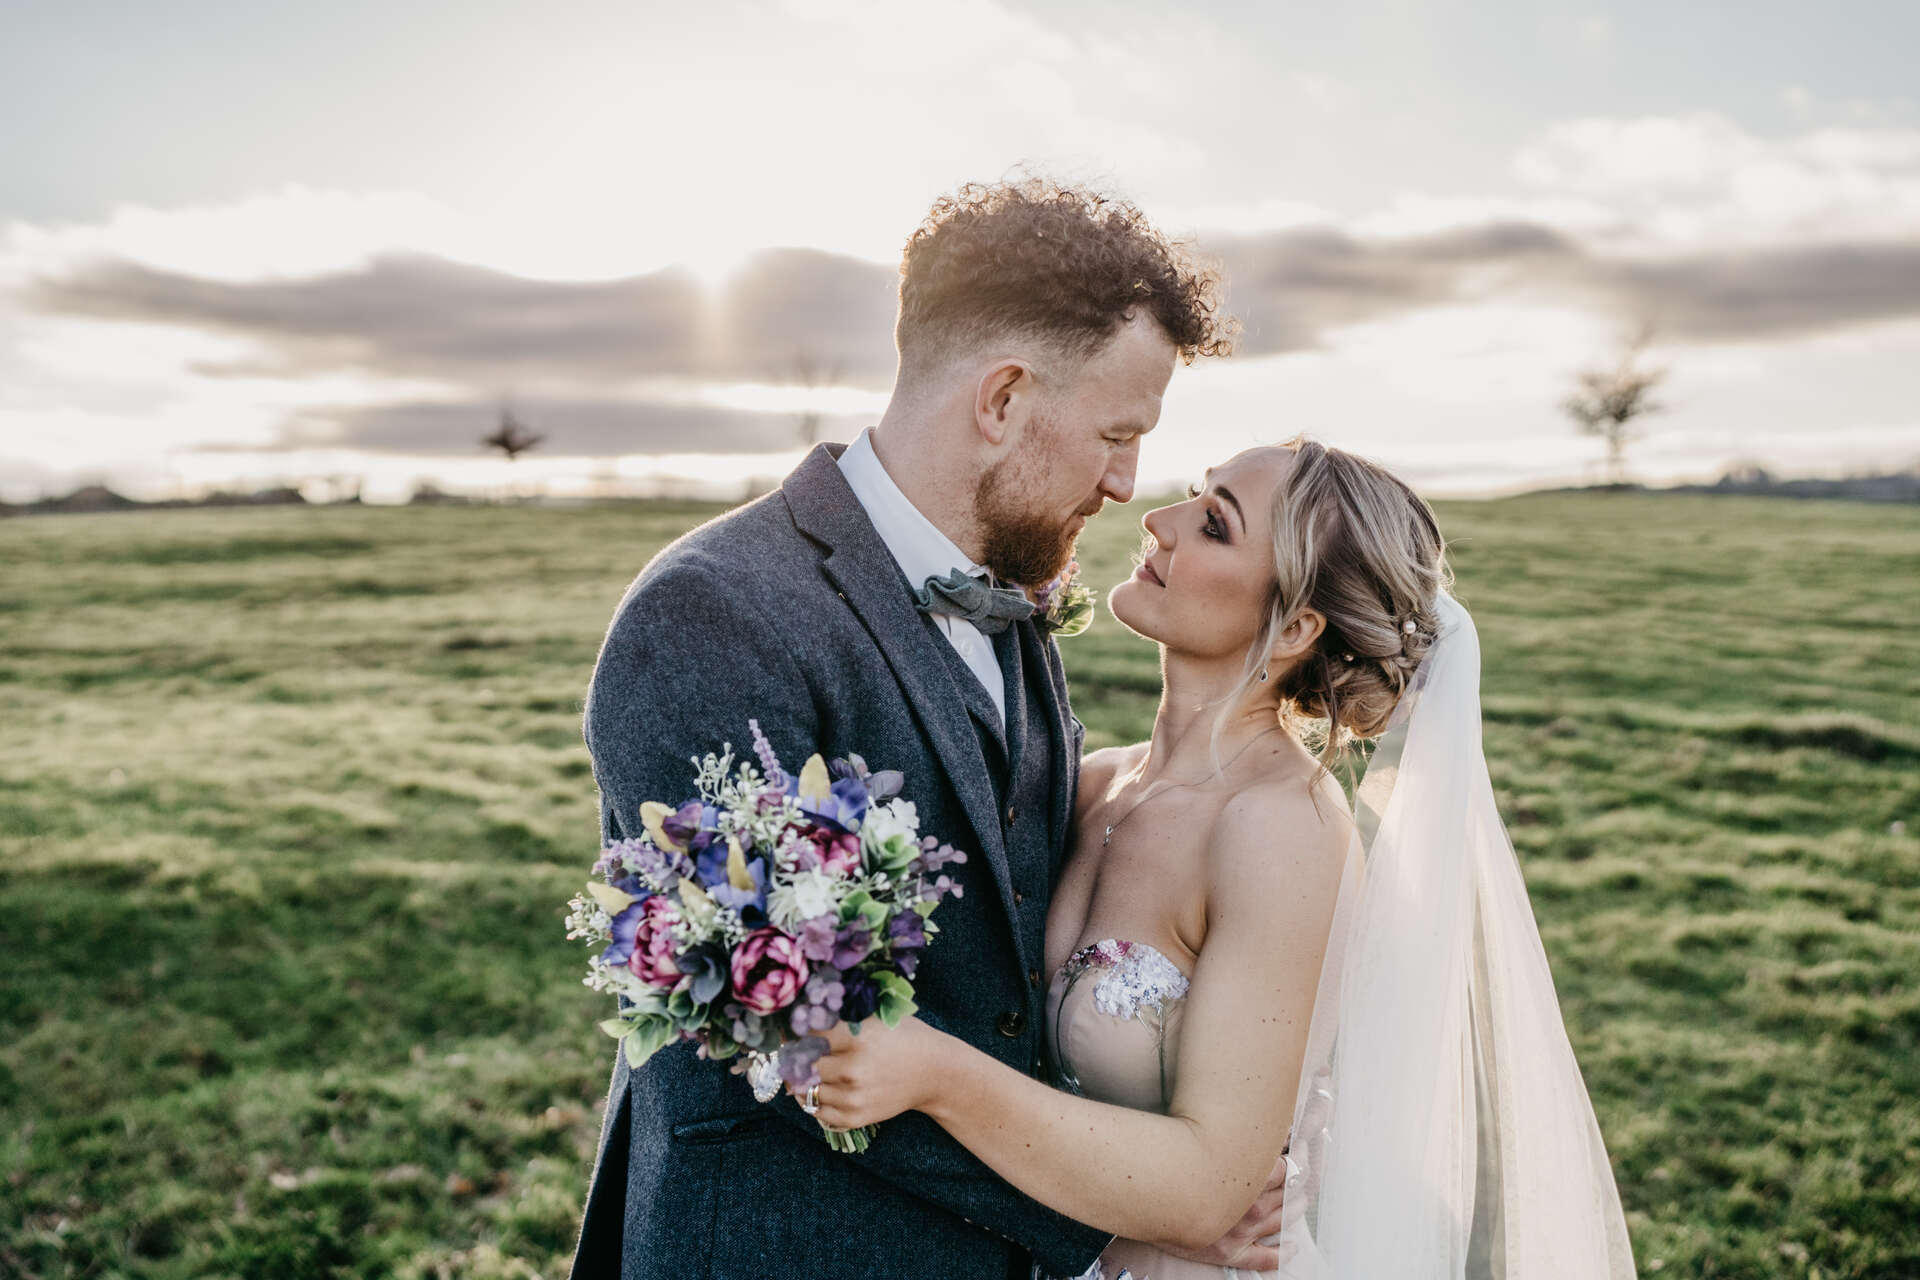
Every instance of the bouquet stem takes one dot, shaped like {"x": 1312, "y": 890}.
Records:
{"x": 850, "y": 1142}
{"x": 763, "y": 1073}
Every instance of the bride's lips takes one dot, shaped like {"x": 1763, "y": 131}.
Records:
{"x": 1145, "y": 573}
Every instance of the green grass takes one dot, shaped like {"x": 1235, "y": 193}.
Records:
{"x": 290, "y": 801}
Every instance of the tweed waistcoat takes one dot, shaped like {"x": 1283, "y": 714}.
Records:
{"x": 1018, "y": 755}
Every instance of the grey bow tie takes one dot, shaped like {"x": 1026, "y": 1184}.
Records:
{"x": 989, "y": 608}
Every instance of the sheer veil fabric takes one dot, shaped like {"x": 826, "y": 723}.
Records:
{"x": 1442, "y": 1130}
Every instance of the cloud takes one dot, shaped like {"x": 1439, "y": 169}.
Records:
{"x": 1700, "y": 178}
{"x": 1293, "y": 288}
{"x": 418, "y": 316}
{"x": 481, "y": 330}
{"x": 588, "y": 428}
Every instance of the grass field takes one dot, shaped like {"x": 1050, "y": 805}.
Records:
{"x": 290, "y": 801}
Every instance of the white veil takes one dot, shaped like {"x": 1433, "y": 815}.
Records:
{"x": 1442, "y": 1130}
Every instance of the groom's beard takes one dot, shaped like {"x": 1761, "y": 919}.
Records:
{"x": 1020, "y": 546}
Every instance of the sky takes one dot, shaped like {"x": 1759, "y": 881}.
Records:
{"x": 244, "y": 244}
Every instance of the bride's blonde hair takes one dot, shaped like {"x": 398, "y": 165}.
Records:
{"x": 1352, "y": 541}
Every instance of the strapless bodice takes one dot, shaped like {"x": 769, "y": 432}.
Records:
{"x": 1114, "y": 1015}
{"x": 1113, "y": 1023}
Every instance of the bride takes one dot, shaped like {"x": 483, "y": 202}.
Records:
{"x": 1245, "y": 968}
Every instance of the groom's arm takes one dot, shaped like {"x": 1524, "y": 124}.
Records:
{"x": 688, "y": 661}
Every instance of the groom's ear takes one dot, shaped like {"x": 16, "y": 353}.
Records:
{"x": 1004, "y": 400}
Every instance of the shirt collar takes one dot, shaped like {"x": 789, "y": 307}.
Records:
{"x": 917, "y": 544}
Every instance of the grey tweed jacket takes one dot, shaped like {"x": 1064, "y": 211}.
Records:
{"x": 792, "y": 611}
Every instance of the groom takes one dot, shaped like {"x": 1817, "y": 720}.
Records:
{"x": 1038, "y": 329}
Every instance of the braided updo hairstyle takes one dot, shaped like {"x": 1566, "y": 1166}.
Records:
{"x": 1354, "y": 542}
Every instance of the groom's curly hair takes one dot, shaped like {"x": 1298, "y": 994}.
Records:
{"x": 1060, "y": 263}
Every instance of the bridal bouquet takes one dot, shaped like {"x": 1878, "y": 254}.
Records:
{"x": 763, "y": 911}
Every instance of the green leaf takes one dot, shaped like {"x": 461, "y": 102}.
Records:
{"x": 616, "y": 1027}
{"x": 649, "y": 1036}
{"x": 896, "y": 999}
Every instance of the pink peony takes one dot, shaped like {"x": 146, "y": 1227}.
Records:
{"x": 652, "y": 958}
{"x": 768, "y": 971}
{"x": 839, "y": 854}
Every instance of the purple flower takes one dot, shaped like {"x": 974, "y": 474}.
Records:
{"x": 851, "y": 945}
{"x": 797, "y": 1059}
{"x": 768, "y": 970}
{"x": 638, "y": 857}
{"x": 769, "y": 762}
{"x": 861, "y": 999}
{"x": 935, "y": 858}
{"x": 750, "y": 1029}
{"x": 691, "y": 825}
{"x": 808, "y": 1018}
{"x": 816, "y": 938}
{"x": 907, "y": 931}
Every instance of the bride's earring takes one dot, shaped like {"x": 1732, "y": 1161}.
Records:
{"x": 1263, "y": 675}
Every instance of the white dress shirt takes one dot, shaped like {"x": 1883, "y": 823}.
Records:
{"x": 922, "y": 552}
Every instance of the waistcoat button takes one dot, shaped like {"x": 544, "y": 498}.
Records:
{"x": 1012, "y": 1023}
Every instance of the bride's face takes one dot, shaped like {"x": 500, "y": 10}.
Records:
{"x": 1206, "y": 575}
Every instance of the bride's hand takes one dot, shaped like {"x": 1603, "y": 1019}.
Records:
{"x": 877, "y": 1074}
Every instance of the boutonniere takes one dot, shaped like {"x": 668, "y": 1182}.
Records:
{"x": 1064, "y": 607}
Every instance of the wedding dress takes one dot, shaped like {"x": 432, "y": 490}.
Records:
{"x": 1114, "y": 1014}
{"x": 1441, "y": 1130}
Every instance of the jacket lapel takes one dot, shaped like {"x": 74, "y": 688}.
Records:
{"x": 866, "y": 576}
{"x": 1044, "y": 657}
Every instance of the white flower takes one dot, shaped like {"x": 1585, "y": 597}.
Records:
{"x": 806, "y": 895}
{"x": 896, "y": 818}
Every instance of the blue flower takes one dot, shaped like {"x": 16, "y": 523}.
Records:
{"x": 625, "y": 924}
{"x": 706, "y": 970}
{"x": 750, "y": 903}
{"x": 844, "y": 805}
{"x": 881, "y": 787}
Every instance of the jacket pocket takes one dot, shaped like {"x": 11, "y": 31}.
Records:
{"x": 727, "y": 1128}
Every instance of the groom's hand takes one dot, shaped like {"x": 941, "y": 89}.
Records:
{"x": 1237, "y": 1248}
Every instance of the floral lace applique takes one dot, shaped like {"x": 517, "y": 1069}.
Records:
{"x": 1138, "y": 977}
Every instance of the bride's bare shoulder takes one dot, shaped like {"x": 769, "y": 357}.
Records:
{"x": 1099, "y": 768}
{"x": 1290, "y": 830}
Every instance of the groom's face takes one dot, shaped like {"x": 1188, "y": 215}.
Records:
{"x": 1077, "y": 450}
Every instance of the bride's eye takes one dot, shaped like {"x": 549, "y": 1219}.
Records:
{"x": 1214, "y": 529}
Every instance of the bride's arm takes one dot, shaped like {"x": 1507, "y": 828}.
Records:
{"x": 1182, "y": 1178}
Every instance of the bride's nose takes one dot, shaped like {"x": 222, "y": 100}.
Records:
{"x": 1156, "y": 523}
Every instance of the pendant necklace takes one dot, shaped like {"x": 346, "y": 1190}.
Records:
{"x": 1107, "y": 838}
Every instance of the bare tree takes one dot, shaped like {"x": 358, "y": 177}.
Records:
{"x": 512, "y": 436}
{"x": 811, "y": 373}
{"x": 1610, "y": 400}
